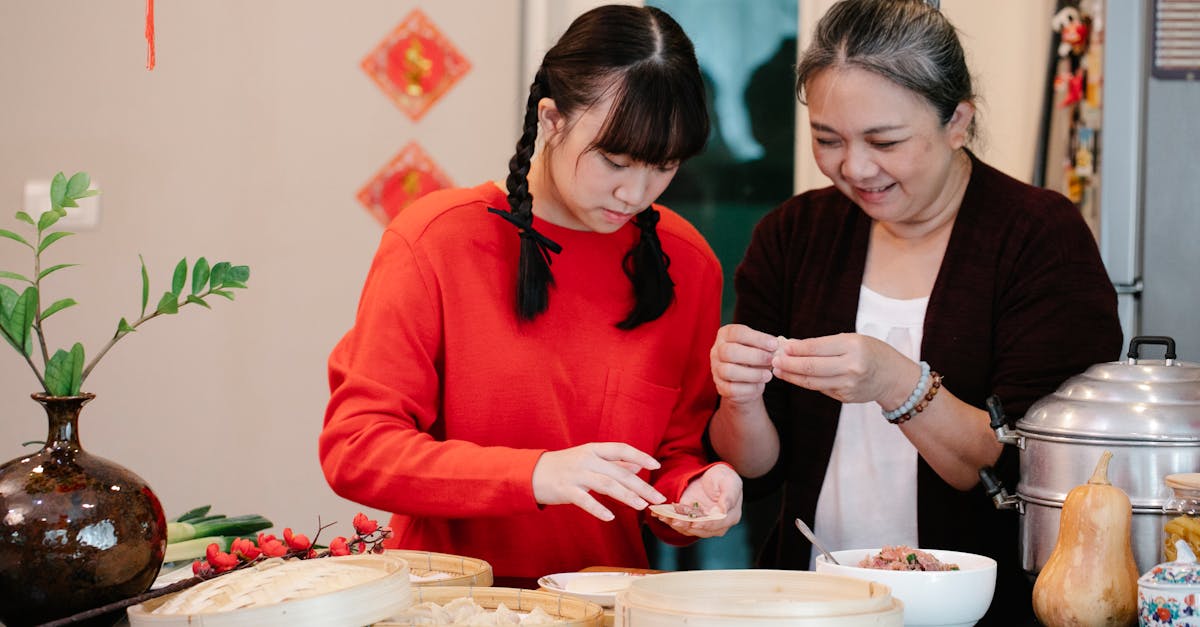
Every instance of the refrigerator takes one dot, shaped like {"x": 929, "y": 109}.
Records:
{"x": 1131, "y": 153}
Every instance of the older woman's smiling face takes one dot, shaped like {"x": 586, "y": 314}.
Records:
{"x": 883, "y": 145}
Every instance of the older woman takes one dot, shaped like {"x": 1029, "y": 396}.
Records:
{"x": 921, "y": 282}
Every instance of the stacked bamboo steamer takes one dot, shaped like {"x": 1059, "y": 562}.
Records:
{"x": 724, "y": 598}
{"x": 348, "y": 591}
{"x": 565, "y": 610}
{"x": 427, "y": 568}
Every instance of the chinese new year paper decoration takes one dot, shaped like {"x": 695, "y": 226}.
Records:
{"x": 415, "y": 65}
{"x": 410, "y": 175}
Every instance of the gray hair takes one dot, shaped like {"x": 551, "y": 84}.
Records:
{"x": 907, "y": 42}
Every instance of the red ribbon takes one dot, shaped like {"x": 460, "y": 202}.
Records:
{"x": 149, "y": 34}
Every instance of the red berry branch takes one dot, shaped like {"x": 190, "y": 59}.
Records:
{"x": 243, "y": 553}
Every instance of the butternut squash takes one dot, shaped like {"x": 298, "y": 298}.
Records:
{"x": 1090, "y": 578}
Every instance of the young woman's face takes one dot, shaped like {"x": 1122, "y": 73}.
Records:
{"x": 883, "y": 145}
{"x": 585, "y": 188}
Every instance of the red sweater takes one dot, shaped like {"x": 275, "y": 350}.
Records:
{"x": 442, "y": 401}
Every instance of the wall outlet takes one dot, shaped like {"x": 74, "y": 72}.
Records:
{"x": 85, "y": 217}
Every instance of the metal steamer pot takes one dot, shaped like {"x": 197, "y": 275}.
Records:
{"x": 1147, "y": 412}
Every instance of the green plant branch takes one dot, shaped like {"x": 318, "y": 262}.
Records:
{"x": 37, "y": 316}
{"x": 119, "y": 334}
{"x": 29, "y": 360}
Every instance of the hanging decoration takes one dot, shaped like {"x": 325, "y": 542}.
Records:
{"x": 408, "y": 176}
{"x": 1073, "y": 148}
{"x": 415, "y": 65}
{"x": 149, "y": 34}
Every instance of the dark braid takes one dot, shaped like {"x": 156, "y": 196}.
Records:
{"x": 533, "y": 270}
{"x": 646, "y": 266}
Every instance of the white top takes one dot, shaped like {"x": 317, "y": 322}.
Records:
{"x": 869, "y": 497}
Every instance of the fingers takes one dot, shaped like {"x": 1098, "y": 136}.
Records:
{"x": 621, "y": 452}
{"x": 615, "y": 474}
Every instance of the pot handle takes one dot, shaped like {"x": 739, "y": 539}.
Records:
{"x": 1163, "y": 340}
{"x": 994, "y": 488}
{"x": 1000, "y": 425}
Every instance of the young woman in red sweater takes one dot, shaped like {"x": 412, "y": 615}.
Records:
{"x": 528, "y": 368}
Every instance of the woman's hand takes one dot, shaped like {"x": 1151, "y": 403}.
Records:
{"x": 741, "y": 362}
{"x": 608, "y": 468}
{"x": 718, "y": 487}
{"x": 849, "y": 367}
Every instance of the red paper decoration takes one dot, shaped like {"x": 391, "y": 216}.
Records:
{"x": 415, "y": 65}
{"x": 410, "y": 175}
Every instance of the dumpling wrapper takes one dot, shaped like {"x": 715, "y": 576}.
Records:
{"x": 667, "y": 510}
{"x": 599, "y": 584}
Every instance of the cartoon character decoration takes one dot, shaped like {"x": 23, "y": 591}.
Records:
{"x": 1073, "y": 30}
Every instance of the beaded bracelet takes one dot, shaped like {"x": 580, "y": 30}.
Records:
{"x": 920, "y": 407}
{"x": 915, "y": 396}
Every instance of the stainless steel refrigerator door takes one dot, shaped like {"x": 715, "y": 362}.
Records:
{"x": 1121, "y": 155}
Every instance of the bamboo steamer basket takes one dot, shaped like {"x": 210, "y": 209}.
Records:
{"x": 462, "y": 571}
{"x": 347, "y": 591}
{"x": 722, "y": 598}
{"x": 570, "y": 611}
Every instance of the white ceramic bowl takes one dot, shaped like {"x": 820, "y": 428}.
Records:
{"x": 943, "y": 598}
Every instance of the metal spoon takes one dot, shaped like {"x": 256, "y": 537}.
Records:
{"x": 812, "y": 537}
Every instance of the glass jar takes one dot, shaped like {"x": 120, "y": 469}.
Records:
{"x": 1184, "y": 507}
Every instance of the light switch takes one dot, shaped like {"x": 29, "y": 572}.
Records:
{"x": 85, "y": 217}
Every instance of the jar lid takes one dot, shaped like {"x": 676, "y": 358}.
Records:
{"x": 1133, "y": 400}
{"x": 1183, "y": 571}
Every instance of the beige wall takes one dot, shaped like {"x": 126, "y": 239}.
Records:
{"x": 248, "y": 143}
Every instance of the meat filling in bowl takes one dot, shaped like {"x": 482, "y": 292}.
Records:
{"x": 904, "y": 558}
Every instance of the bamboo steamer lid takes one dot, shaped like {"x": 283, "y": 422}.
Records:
{"x": 427, "y": 568}
{"x": 710, "y": 598}
{"x": 348, "y": 591}
{"x": 569, "y": 611}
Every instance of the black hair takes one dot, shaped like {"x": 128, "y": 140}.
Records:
{"x": 642, "y": 58}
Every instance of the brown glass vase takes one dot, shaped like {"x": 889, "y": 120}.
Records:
{"x": 76, "y": 530}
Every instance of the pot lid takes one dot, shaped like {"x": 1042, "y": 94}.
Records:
{"x": 1155, "y": 400}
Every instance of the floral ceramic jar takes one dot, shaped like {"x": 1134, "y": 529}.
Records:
{"x": 1168, "y": 593}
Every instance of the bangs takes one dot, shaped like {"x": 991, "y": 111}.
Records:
{"x": 657, "y": 117}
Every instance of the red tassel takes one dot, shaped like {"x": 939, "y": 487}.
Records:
{"x": 149, "y": 34}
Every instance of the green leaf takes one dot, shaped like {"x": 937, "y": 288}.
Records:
{"x": 217, "y": 277}
{"x": 78, "y": 184}
{"x": 145, "y": 286}
{"x": 235, "y": 284}
{"x": 58, "y": 191}
{"x": 24, "y": 217}
{"x": 88, "y": 193}
{"x": 76, "y": 368}
{"x": 45, "y": 273}
{"x": 4, "y": 274}
{"x": 64, "y": 371}
{"x": 48, "y": 219}
{"x": 200, "y": 274}
{"x": 168, "y": 304}
{"x": 53, "y": 237}
{"x": 240, "y": 274}
{"x": 8, "y": 302}
{"x": 224, "y": 293}
{"x": 13, "y": 236}
{"x": 67, "y": 202}
{"x": 58, "y": 306}
{"x": 192, "y": 298}
{"x": 180, "y": 277}
{"x": 18, "y": 322}
{"x": 124, "y": 328}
